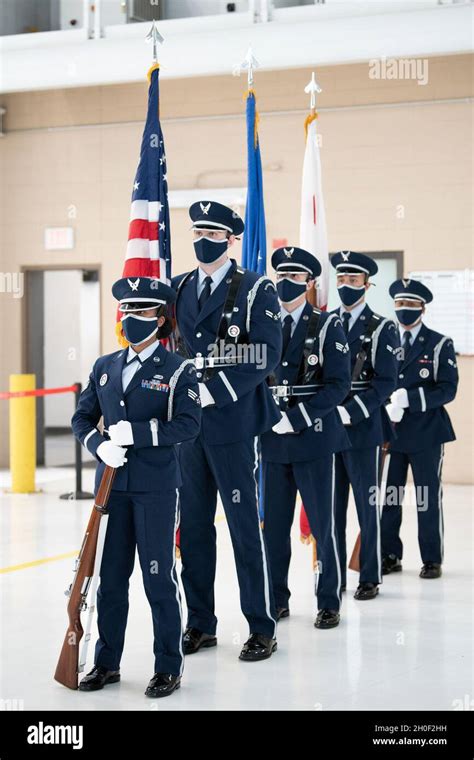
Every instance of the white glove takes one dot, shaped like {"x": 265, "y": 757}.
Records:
{"x": 121, "y": 434}
{"x": 112, "y": 455}
{"x": 344, "y": 415}
{"x": 206, "y": 395}
{"x": 400, "y": 398}
{"x": 284, "y": 425}
{"x": 395, "y": 412}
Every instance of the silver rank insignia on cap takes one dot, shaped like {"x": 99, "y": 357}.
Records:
{"x": 103, "y": 379}
{"x": 134, "y": 285}
{"x": 345, "y": 255}
{"x": 205, "y": 209}
{"x": 312, "y": 360}
{"x": 288, "y": 252}
{"x": 406, "y": 283}
{"x": 234, "y": 331}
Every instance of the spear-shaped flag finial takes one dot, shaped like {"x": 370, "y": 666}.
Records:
{"x": 155, "y": 37}
{"x": 250, "y": 63}
{"x": 313, "y": 88}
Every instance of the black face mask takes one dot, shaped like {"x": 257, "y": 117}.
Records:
{"x": 289, "y": 290}
{"x": 208, "y": 250}
{"x": 138, "y": 329}
{"x": 408, "y": 315}
{"x": 349, "y": 294}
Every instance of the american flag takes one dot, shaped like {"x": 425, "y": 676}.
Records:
{"x": 148, "y": 247}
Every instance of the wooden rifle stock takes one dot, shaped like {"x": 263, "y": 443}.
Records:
{"x": 67, "y": 667}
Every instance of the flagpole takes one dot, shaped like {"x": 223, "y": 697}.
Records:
{"x": 156, "y": 39}
{"x": 313, "y": 89}
{"x": 254, "y": 247}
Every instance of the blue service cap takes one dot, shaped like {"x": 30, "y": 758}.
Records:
{"x": 410, "y": 289}
{"x": 212, "y": 215}
{"x": 351, "y": 262}
{"x": 134, "y": 293}
{"x": 295, "y": 260}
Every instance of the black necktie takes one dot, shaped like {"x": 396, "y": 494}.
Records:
{"x": 206, "y": 291}
{"x": 407, "y": 342}
{"x": 345, "y": 321}
{"x": 287, "y": 322}
{"x": 136, "y": 358}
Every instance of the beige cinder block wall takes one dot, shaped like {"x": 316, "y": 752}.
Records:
{"x": 385, "y": 145}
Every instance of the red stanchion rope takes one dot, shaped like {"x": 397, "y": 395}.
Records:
{"x": 38, "y": 392}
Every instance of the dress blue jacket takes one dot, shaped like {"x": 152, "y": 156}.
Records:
{"x": 161, "y": 402}
{"x": 315, "y": 418}
{"x": 370, "y": 425}
{"x": 430, "y": 375}
{"x": 244, "y": 405}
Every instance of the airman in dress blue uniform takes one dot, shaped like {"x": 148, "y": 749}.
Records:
{"x": 374, "y": 352}
{"x": 149, "y": 400}
{"x": 298, "y": 454}
{"x": 427, "y": 380}
{"x": 229, "y": 325}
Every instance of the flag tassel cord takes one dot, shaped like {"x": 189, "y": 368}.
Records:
{"x": 251, "y": 92}
{"x": 309, "y": 119}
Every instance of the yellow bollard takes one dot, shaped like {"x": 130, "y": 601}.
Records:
{"x": 23, "y": 435}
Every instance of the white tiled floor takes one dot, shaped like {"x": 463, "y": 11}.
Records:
{"x": 411, "y": 648}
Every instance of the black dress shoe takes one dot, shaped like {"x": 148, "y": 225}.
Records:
{"x": 327, "y": 619}
{"x": 162, "y": 685}
{"x": 194, "y": 640}
{"x": 431, "y": 570}
{"x": 366, "y": 591}
{"x": 391, "y": 564}
{"x": 282, "y": 612}
{"x": 258, "y": 647}
{"x": 98, "y": 678}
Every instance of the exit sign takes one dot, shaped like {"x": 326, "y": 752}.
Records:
{"x": 58, "y": 238}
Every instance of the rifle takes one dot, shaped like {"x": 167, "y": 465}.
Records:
{"x": 354, "y": 562}
{"x": 87, "y": 563}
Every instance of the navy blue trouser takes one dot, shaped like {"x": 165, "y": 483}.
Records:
{"x": 315, "y": 482}
{"x": 231, "y": 470}
{"x": 426, "y": 467}
{"x": 147, "y": 521}
{"x": 360, "y": 468}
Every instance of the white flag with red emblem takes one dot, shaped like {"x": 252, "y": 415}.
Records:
{"x": 313, "y": 232}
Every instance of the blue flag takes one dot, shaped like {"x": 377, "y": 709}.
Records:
{"x": 254, "y": 247}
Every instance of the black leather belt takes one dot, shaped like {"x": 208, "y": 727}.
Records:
{"x": 283, "y": 391}
{"x": 201, "y": 362}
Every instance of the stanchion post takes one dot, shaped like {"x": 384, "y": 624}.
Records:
{"x": 23, "y": 435}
